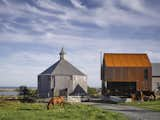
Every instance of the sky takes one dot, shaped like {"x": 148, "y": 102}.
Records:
{"x": 32, "y": 33}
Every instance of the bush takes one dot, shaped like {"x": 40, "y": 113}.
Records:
{"x": 92, "y": 91}
{"x": 27, "y": 95}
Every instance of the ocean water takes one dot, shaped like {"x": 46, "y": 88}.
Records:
{"x": 8, "y": 93}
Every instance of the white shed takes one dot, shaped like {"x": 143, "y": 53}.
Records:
{"x": 62, "y": 78}
{"x": 155, "y": 76}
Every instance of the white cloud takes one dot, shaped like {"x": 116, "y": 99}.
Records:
{"x": 137, "y": 5}
{"x": 83, "y": 51}
{"x": 140, "y": 7}
{"x": 107, "y": 14}
{"x": 78, "y": 4}
{"x": 86, "y": 57}
{"x": 22, "y": 68}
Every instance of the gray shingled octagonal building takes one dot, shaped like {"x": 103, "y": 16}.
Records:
{"x": 62, "y": 78}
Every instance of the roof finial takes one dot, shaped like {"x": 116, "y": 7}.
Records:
{"x": 62, "y": 53}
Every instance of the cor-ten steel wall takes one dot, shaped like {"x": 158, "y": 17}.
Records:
{"x": 130, "y": 74}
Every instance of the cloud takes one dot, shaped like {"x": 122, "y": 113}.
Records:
{"x": 140, "y": 7}
{"x": 86, "y": 57}
{"x": 48, "y": 17}
{"x": 22, "y": 68}
{"x": 84, "y": 31}
{"x": 78, "y": 4}
{"x": 109, "y": 13}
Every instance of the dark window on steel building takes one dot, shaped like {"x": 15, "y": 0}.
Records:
{"x": 110, "y": 74}
{"x": 145, "y": 74}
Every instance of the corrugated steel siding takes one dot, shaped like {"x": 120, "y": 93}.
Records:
{"x": 126, "y": 60}
{"x": 129, "y": 74}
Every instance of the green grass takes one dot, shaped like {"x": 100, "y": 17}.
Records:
{"x": 37, "y": 111}
{"x": 150, "y": 105}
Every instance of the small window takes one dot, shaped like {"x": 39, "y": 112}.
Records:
{"x": 145, "y": 74}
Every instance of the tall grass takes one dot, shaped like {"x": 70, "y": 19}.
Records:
{"x": 37, "y": 111}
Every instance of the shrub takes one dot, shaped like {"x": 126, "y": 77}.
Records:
{"x": 92, "y": 91}
{"x": 27, "y": 95}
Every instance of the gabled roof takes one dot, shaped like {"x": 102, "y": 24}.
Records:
{"x": 78, "y": 91}
{"x": 62, "y": 67}
{"x": 155, "y": 69}
{"x": 126, "y": 60}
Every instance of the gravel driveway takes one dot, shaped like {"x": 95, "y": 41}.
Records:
{"x": 133, "y": 113}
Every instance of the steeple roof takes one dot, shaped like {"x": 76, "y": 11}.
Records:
{"x": 62, "y": 67}
{"x": 61, "y": 54}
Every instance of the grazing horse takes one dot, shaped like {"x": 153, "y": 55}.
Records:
{"x": 55, "y": 100}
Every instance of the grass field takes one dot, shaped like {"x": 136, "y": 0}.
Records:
{"x": 37, "y": 111}
{"x": 150, "y": 105}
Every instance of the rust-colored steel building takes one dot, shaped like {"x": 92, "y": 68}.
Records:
{"x": 121, "y": 73}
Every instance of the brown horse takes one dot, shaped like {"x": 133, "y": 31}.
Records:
{"x": 55, "y": 100}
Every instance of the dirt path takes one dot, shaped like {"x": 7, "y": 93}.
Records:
{"x": 133, "y": 113}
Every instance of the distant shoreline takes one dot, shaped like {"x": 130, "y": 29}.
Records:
{"x": 5, "y": 89}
